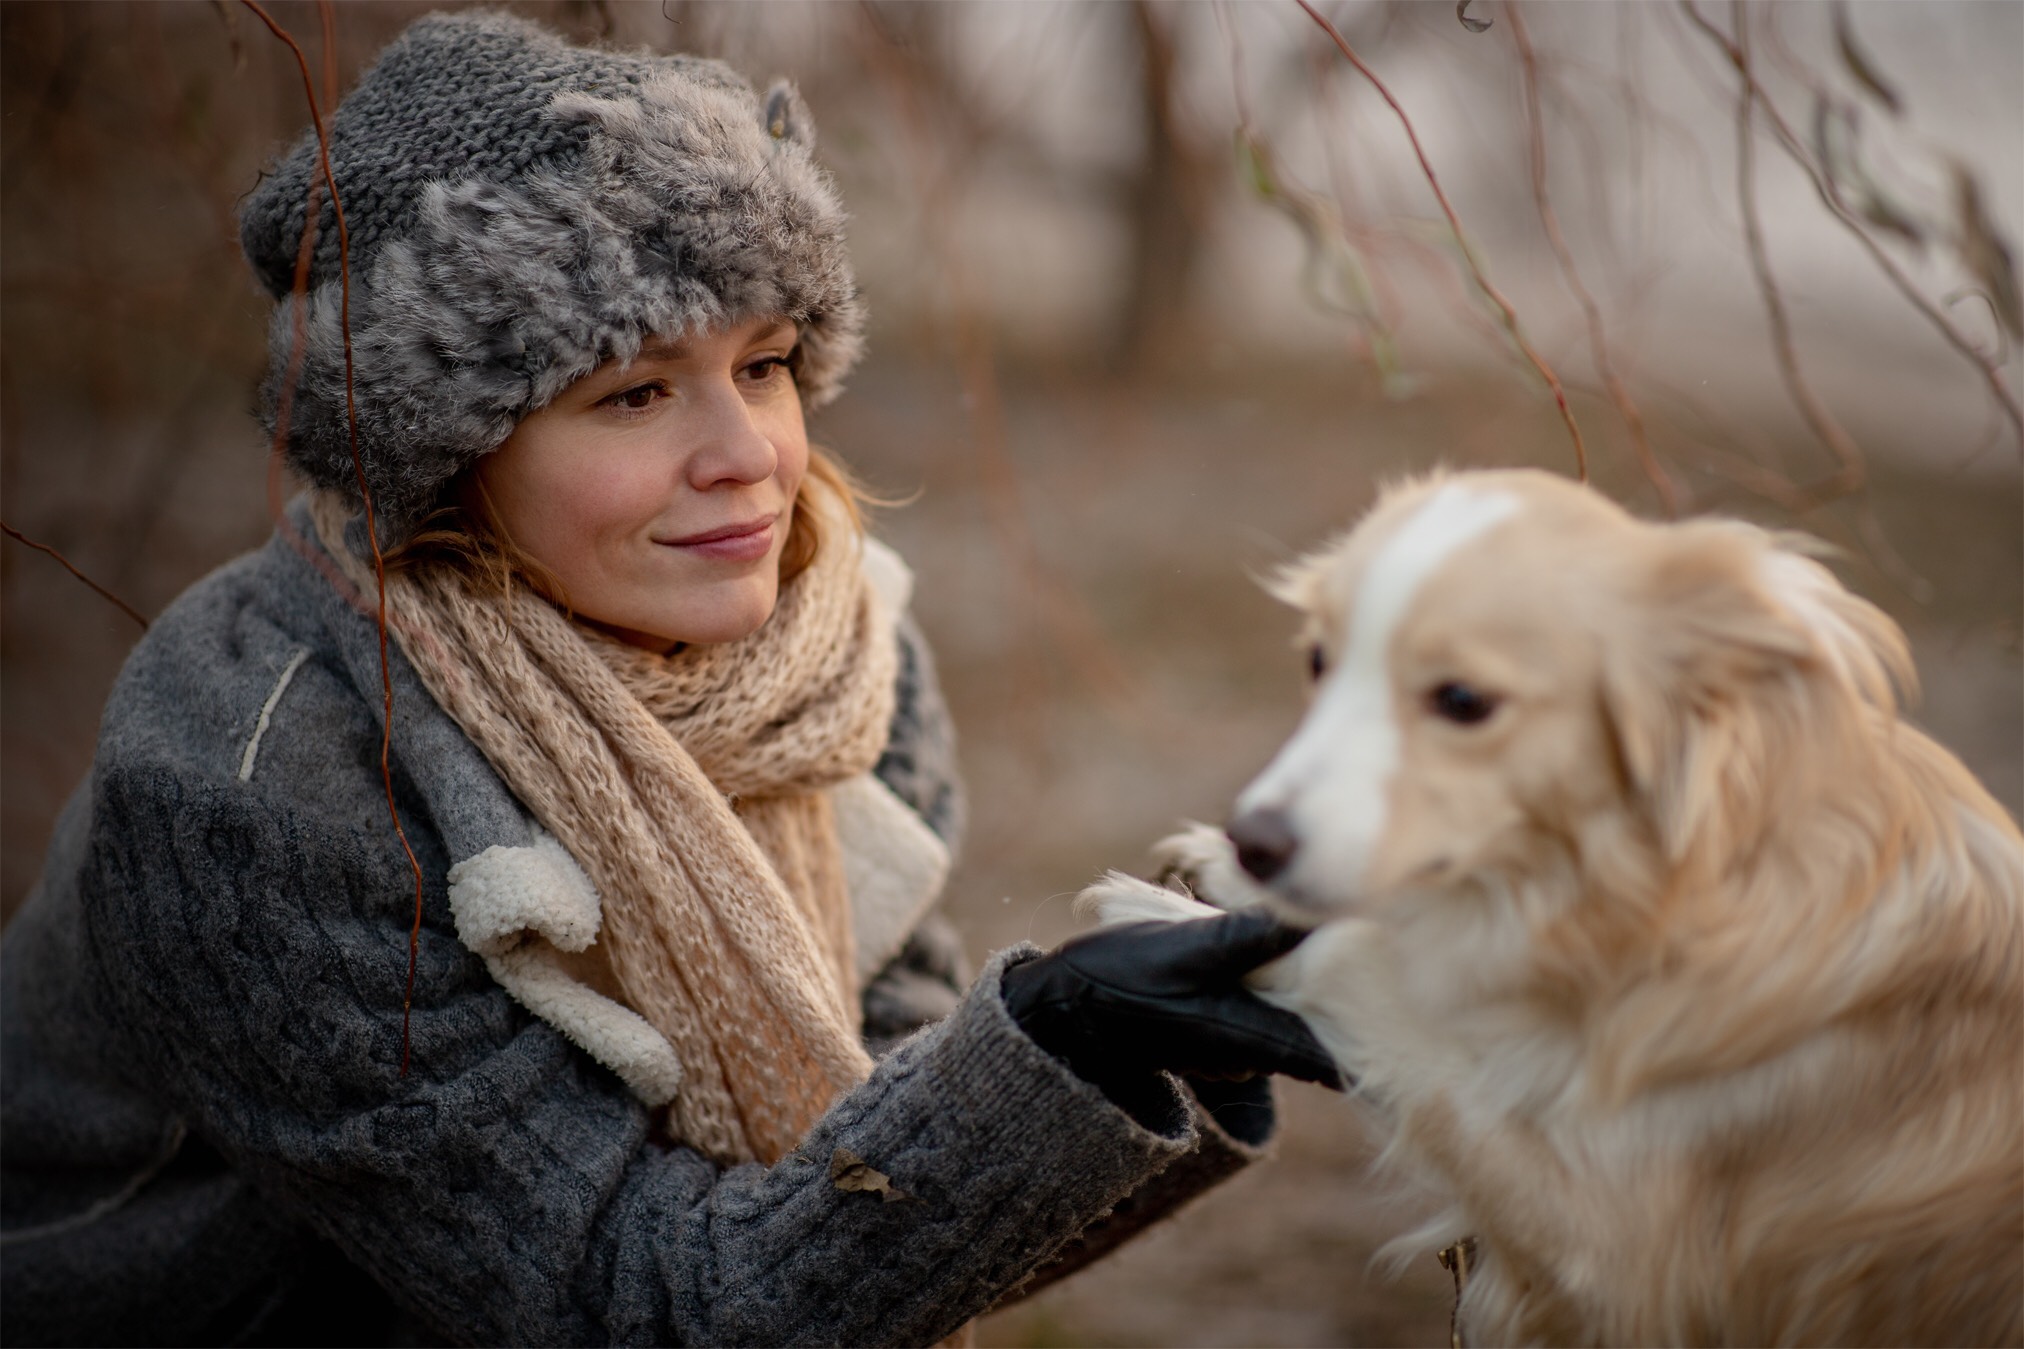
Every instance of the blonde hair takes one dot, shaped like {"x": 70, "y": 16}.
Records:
{"x": 464, "y": 531}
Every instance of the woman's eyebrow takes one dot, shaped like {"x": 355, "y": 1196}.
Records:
{"x": 649, "y": 353}
{"x": 670, "y": 349}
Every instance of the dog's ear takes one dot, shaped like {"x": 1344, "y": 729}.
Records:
{"x": 1696, "y": 670}
{"x": 1860, "y": 648}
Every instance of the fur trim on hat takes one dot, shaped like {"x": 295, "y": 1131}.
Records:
{"x": 666, "y": 202}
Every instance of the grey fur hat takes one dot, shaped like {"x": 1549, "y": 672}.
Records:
{"x": 521, "y": 210}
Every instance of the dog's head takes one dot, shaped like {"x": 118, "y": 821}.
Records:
{"x": 1511, "y": 673}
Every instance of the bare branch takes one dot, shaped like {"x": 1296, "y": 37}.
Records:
{"x": 1831, "y": 197}
{"x": 1850, "y": 472}
{"x": 1598, "y": 339}
{"x": 1496, "y": 297}
{"x": 1076, "y": 631}
{"x": 125, "y": 608}
{"x": 358, "y": 463}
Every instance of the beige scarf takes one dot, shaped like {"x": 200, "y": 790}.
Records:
{"x": 691, "y": 790}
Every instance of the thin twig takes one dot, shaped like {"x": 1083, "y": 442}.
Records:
{"x": 365, "y": 490}
{"x": 1830, "y": 196}
{"x": 284, "y": 407}
{"x": 1496, "y": 297}
{"x": 1079, "y": 636}
{"x": 1372, "y": 305}
{"x": 1859, "y": 534}
{"x": 1349, "y": 203}
{"x": 890, "y": 61}
{"x": 328, "y": 19}
{"x": 1850, "y": 472}
{"x": 1235, "y": 41}
{"x": 1718, "y": 453}
{"x": 1598, "y": 338}
{"x": 1634, "y": 106}
{"x": 1954, "y": 297}
{"x": 70, "y": 567}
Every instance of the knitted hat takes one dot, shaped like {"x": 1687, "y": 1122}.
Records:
{"x": 520, "y": 211}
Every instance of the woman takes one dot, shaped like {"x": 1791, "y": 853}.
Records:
{"x": 673, "y": 794}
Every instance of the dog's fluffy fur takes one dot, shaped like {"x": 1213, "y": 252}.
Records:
{"x": 1691, "y": 974}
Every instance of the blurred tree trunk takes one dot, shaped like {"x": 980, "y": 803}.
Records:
{"x": 1163, "y": 208}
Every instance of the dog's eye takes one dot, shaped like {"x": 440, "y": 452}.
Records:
{"x": 1317, "y": 663}
{"x": 1459, "y": 703}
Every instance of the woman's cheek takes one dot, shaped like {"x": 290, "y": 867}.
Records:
{"x": 612, "y": 497}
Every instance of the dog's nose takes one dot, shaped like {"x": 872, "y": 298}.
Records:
{"x": 1264, "y": 841}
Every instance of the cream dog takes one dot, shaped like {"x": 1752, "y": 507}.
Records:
{"x": 1688, "y": 971}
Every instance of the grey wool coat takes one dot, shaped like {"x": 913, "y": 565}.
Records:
{"x": 206, "y": 1137}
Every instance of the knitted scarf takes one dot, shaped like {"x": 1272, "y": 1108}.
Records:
{"x": 691, "y": 789}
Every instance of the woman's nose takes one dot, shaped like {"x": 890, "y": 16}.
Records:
{"x": 731, "y": 444}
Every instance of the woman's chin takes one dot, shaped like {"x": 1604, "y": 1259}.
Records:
{"x": 727, "y": 629}
{"x": 707, "y": 616}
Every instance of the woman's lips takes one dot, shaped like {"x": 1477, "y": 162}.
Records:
{"x": 745, "y": 542}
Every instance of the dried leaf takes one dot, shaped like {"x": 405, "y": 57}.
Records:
{"x": 1859, "y": 65}
{"x": 1256, "y": 164}
{"x": 1880, "y": 210}
{"x": 228, "y": 14}
{"x": 1332, "y": 271}
{"x": 1985, "y": 254}
{"x": 1827, "y": 117}
{"x": 850, "y": 1172}
{"x": 1473, "y": 25}
{"x": 1837, "y": 131}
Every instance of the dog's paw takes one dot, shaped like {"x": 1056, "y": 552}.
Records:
{"x": 1202, "y": 858}
{"x": 1119, "y": 898}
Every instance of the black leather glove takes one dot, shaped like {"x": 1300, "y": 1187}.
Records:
{"x": 1122, "y": 1002}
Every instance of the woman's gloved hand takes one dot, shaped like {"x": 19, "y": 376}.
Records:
{"x": 1122, "y": 1002}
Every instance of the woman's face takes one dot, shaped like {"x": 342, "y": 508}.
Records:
{"x": 660, "y": 492}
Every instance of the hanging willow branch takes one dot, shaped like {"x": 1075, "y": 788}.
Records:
{"x": 1851, "y": 472}
{"x": 358, "y": 467}
{"x": 1496, "y": 297}
{"x": 1598, "y": 338}
{"x": 1795, "y": 149}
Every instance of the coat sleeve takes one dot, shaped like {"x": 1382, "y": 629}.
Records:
{"x": 506, "y": 1189}
{"x": 1235, "y": 1121}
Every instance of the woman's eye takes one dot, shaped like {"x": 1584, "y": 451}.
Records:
{"x": 768, "y": 370}
{"x": 1457, "y": 702}
{"x": 636, "y": 399}
{"x": 1317, "y": 662}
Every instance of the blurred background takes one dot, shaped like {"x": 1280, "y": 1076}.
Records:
{"x": 1161, "y": 292}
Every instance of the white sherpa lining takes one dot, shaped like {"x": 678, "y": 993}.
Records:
{"x": 893, "y": 863}
{"x": 505, "y": 898}
{"x": 612, "y": 1033}
{"x": 889, "y": 575}
{"x": 504, "y": 891}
